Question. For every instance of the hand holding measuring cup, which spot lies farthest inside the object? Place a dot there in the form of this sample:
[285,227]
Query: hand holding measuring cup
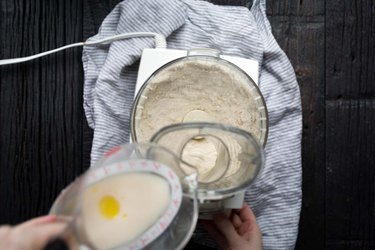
[110,204]
[34,234]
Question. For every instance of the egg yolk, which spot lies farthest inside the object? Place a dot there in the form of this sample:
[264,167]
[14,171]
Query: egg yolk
[109,207]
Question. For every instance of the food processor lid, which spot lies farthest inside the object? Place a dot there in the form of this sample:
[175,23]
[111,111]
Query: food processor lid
[207,63]
[227,159]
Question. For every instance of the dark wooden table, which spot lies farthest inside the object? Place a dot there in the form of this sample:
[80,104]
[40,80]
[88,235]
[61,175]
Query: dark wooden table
[45,140]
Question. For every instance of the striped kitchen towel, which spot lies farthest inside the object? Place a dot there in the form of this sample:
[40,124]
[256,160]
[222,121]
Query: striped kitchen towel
[111,72]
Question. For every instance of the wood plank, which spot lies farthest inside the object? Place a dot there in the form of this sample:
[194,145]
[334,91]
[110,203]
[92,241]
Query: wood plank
[350,34]
[231,2]
[306,8]
[298,26]
[94,12]
[350,178]
[350,245]
[304,43]
[41,114]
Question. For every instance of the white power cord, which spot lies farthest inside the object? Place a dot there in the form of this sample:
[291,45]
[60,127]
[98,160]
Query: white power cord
[160,42]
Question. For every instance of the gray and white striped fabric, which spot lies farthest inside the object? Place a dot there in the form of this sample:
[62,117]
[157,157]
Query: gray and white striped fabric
[111,72]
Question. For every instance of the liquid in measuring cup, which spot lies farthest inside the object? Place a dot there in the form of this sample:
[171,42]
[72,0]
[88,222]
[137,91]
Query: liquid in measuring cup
[120,208]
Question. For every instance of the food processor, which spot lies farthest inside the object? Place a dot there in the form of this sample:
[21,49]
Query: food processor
[209,111]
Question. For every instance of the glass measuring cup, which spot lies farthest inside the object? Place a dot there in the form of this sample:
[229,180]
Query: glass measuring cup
[172,228]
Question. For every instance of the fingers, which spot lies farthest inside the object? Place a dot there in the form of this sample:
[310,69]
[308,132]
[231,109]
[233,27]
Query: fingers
[239,231]
[244,228]
[250,224]
[210,227]
[43,234]
[246,214]
[236,221]
[34,234]
[40,220]
[238,216]
[225,226]
[4,230]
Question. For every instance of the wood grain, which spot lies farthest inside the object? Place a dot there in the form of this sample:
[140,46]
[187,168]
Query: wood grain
[350,181]
[299,29]
[297,8]
[231,2]
[350,49]
[350,245]
[303,43]
[94,12]
[42,121]
[350,119]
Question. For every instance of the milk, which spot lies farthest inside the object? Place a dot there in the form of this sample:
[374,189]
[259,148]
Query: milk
[118,209]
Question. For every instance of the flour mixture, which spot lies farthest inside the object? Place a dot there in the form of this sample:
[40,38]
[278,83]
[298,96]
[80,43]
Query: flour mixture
[198,89]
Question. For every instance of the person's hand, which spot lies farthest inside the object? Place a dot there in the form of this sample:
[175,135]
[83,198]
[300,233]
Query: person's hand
[31,235]
[238,232]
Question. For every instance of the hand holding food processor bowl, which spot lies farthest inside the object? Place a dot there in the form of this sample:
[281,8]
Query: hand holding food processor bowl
[212,115]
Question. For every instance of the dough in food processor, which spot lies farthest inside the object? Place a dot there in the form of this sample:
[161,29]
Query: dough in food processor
[196,89]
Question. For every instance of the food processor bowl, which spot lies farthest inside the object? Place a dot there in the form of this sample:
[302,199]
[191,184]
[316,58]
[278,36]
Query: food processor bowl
[201,87]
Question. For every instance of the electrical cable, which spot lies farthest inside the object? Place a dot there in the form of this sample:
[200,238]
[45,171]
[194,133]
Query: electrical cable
[160,42]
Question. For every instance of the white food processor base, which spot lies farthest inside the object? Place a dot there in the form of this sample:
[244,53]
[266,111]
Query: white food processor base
[207,210]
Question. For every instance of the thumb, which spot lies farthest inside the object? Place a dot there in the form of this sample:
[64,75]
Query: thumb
[45,233]
[225,226]
[36,233]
